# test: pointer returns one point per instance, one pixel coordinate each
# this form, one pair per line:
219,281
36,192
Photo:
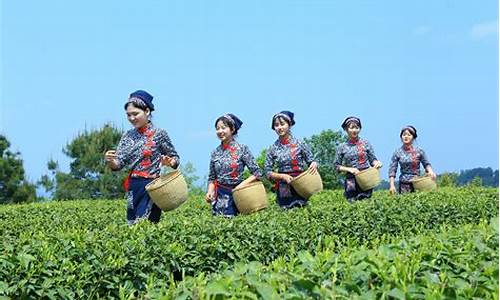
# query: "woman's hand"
210,196
432,174
353,171
168,161
313,167
286,178
377,164
248,181
111,159
392,189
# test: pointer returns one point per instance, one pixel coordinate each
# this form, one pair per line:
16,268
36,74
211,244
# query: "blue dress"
409,160
227,163
141,150
355,154
291,157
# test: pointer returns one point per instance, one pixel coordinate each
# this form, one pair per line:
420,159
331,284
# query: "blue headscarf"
285,114
145,97
351,119
235,120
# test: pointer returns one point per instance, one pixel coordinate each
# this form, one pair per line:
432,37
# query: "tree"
447,179
14,188
476,182
487,176
261,161
189,172
324,147
89,177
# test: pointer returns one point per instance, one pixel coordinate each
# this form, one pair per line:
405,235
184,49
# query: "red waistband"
143,174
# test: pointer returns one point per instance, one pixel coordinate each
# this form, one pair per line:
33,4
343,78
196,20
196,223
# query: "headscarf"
351,119
285,114
233,120
140,95
411,129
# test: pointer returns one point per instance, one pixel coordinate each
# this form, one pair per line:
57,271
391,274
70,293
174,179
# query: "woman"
143,150
409,157
354,156
291,156
227,164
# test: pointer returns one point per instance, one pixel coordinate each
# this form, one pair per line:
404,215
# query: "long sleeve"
339,157
166,146
423,159
306,151
249,161
124,158
393,167
211,169
269,164
370,153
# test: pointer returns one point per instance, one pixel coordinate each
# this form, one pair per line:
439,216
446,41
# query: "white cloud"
484,30
422,30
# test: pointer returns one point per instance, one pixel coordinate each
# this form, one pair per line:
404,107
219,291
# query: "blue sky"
67,66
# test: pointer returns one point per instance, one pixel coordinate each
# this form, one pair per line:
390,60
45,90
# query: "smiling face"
281,127
137,117
224,132
353,130
407,137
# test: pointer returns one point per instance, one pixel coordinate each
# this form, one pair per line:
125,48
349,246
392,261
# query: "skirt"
352,191
139,204
224,202
405,187
286,195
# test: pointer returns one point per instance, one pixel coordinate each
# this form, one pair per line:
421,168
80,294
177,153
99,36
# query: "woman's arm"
167,149
210,196
392,186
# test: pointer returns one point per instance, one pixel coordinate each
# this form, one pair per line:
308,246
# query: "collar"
408,148
354,141
286,140
227,146
145,128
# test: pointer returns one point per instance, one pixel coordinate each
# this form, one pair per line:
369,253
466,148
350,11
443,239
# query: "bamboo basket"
307,184
368,178
424,183
250,198
168,191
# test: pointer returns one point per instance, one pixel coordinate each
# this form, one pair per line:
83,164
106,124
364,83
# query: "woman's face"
224,132
281,127
407,138
353,130
137,117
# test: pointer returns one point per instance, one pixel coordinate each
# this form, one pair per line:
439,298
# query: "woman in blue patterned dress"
354,156
143,150
291,156
227,163
409,157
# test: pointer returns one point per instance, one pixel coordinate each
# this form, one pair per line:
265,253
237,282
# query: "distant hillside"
487,175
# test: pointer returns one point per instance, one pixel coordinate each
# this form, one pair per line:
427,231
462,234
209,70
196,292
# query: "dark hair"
140,105
228,123
350,120
412,130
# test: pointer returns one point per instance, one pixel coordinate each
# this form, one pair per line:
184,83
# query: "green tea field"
437,245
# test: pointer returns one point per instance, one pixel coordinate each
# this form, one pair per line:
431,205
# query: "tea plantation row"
84,248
